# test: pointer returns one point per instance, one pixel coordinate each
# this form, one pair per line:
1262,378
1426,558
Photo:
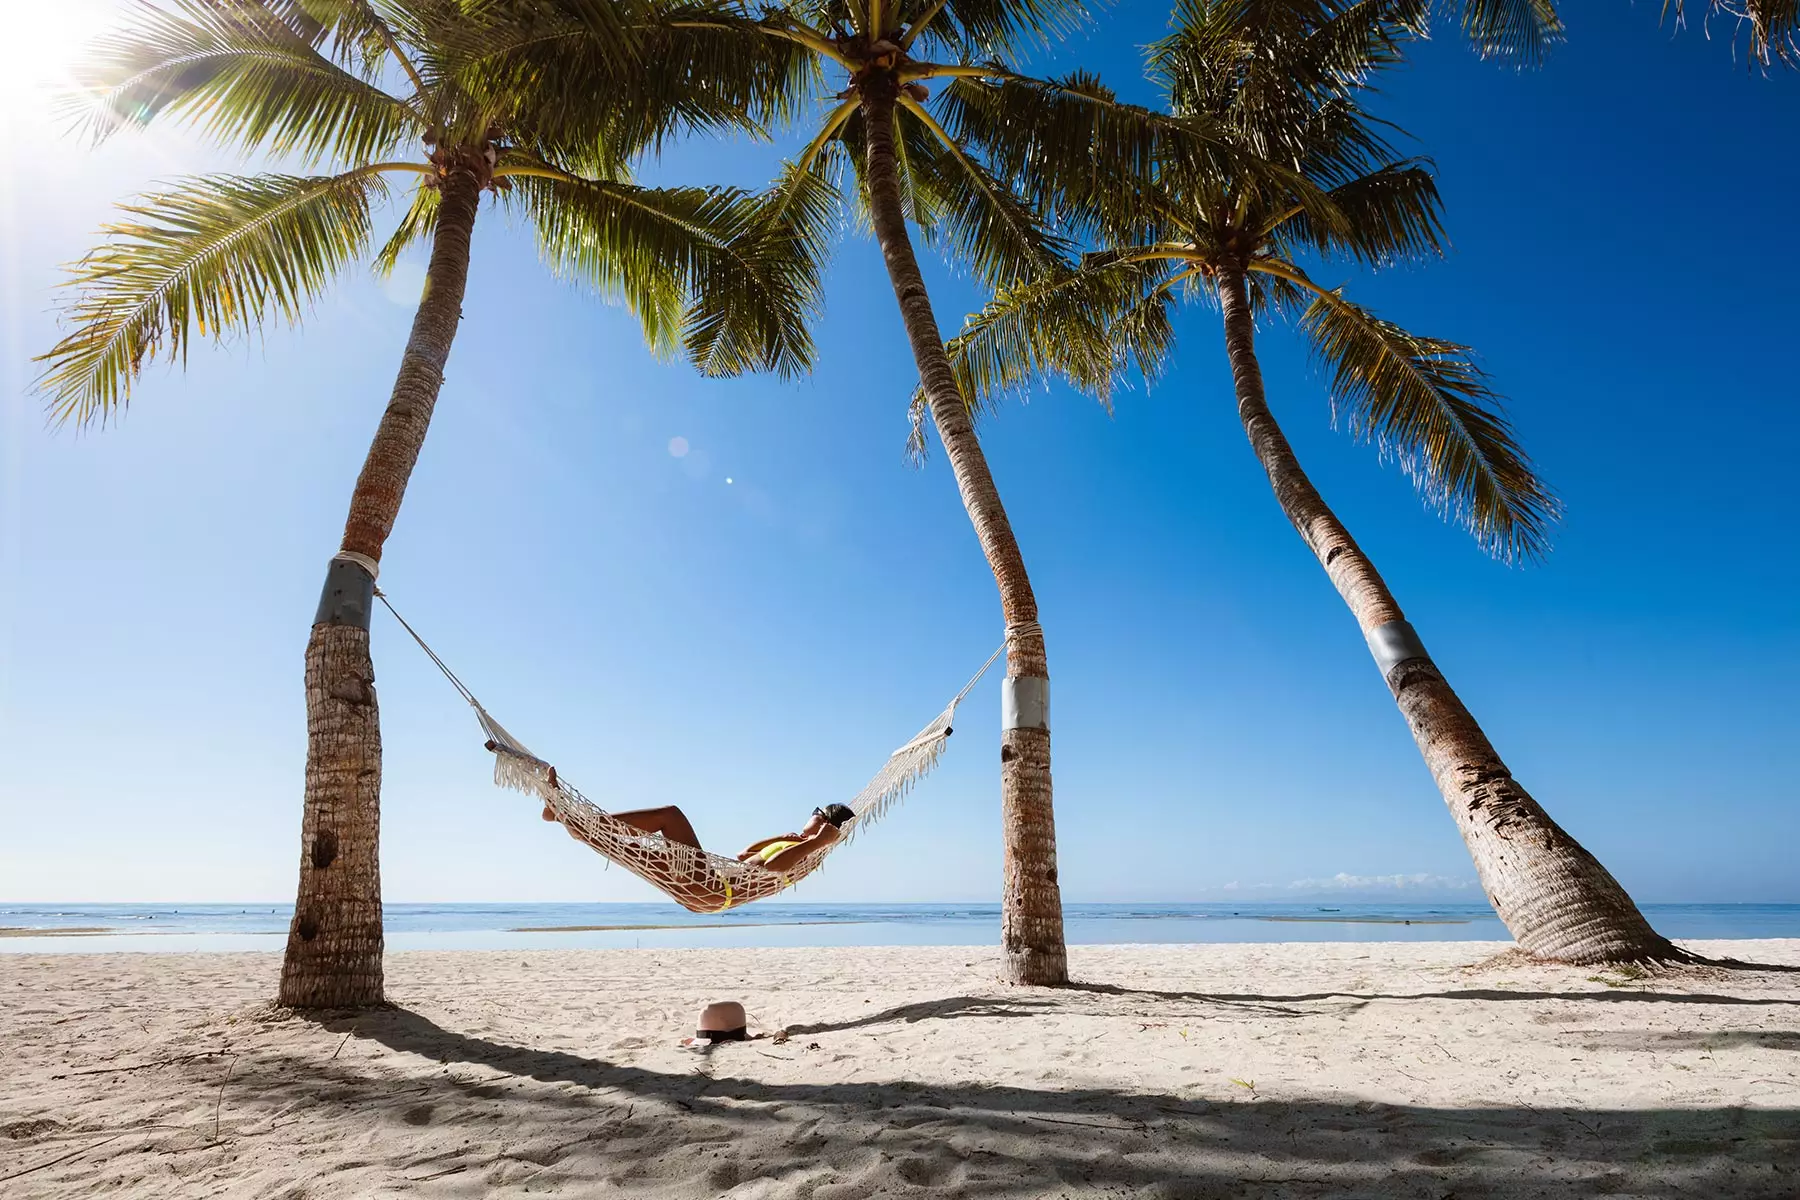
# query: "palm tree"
1283,80
704,269
908,169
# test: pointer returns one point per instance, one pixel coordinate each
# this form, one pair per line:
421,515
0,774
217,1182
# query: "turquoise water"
500,926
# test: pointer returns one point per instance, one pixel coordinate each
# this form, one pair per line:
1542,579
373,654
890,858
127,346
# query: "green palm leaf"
417,225
1066,142
977,29
1084,324
752,301
692,64
1087,325
988,226
215,256
1392,214
1424,401
244,76
719,273
1518,29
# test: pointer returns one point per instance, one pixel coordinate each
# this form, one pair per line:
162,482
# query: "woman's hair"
837,814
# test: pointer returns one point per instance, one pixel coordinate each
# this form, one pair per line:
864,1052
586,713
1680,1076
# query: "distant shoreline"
673,925
69,928
1363,920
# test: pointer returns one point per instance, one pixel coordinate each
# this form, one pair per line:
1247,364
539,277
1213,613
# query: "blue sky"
748,628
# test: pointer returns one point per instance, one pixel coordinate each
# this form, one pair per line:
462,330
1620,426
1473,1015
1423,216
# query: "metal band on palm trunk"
1025,703
348,597
1393,643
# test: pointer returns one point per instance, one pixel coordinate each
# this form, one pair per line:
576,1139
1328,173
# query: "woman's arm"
793,855
753,847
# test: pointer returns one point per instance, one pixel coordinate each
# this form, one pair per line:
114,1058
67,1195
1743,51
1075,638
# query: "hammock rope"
698,880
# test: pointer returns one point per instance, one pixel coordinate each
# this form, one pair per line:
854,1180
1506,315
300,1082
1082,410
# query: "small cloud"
1342,882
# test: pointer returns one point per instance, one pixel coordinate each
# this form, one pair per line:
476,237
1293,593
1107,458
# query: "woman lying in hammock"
778,853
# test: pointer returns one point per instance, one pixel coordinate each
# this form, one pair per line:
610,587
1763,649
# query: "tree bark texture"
1557,900
1031,924
334,944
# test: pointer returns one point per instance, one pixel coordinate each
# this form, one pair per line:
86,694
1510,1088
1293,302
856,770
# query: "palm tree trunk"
1555,897
334,944
1031,925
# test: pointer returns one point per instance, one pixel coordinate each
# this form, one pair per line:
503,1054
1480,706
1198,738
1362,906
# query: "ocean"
52,928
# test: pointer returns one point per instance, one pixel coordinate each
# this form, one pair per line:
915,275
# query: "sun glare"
41,41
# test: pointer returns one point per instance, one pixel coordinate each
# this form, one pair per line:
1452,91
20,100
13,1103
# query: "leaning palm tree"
1284,81
703,269
908,170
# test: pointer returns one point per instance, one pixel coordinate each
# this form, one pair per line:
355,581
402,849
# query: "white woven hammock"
698,880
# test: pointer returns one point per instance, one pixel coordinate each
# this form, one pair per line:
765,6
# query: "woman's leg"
669,821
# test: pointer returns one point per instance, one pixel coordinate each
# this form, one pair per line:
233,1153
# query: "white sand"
1304,1070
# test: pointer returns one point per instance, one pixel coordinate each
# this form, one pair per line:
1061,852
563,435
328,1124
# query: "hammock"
698,880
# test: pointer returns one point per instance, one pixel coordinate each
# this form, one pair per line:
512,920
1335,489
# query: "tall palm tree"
351,84
908,170
1283,79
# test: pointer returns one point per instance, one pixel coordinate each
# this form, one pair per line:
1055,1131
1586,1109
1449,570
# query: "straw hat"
722,1021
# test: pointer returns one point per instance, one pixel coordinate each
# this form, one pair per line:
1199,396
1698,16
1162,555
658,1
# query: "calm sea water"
153,927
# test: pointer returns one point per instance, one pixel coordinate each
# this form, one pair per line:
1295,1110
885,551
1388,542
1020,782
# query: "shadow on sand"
845,1139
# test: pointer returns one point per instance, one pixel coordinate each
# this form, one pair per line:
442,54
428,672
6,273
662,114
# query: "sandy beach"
1301,1069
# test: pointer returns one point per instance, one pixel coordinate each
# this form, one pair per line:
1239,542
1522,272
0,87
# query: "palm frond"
215,255
679,65
1355,40
1085,324
417,225
1390,215
1423,401
1002,238
628,243
1069,144
915,154
753,303
355,30
1524,30
1772,27
242,75
972,30
724,275
1264,67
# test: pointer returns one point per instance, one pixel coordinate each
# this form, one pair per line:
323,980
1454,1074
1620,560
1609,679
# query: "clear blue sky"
1624,260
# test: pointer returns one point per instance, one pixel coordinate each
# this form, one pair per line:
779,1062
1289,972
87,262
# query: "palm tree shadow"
1616,994
945,1009
1738,964
983,1140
